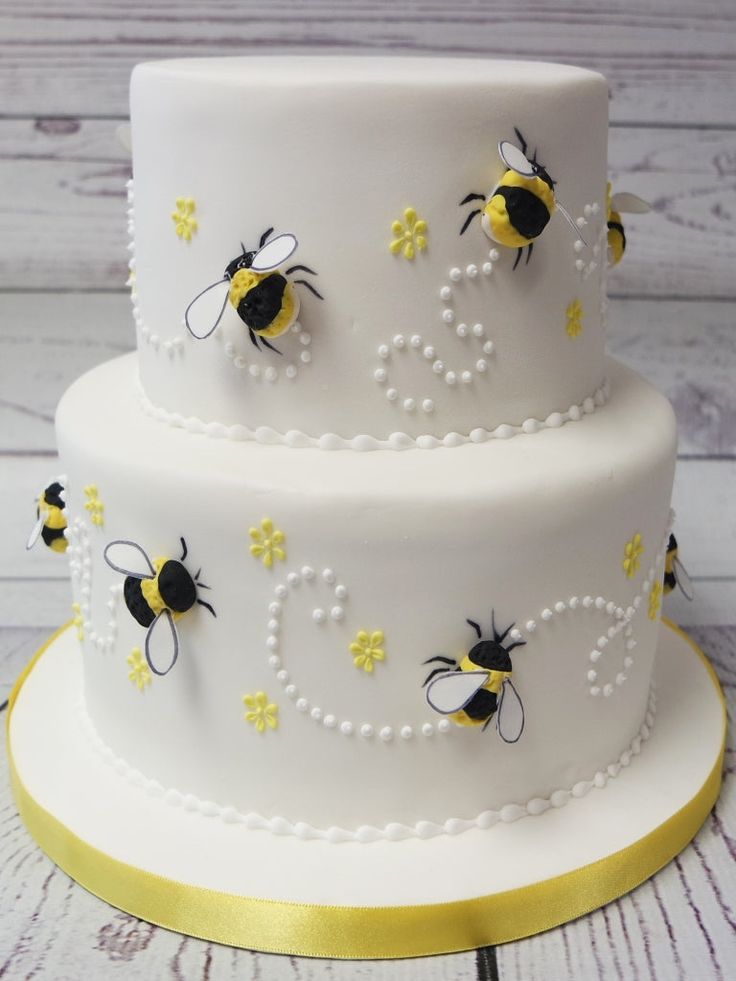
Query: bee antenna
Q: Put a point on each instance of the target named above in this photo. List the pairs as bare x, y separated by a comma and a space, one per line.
265, 237
184, 549
242, 246
476, 628
521, 140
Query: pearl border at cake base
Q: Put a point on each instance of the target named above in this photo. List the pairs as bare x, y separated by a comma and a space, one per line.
409, 898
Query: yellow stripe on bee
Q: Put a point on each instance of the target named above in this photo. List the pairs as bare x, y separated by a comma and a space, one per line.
243, 282
502, 231
55, 517
151, 594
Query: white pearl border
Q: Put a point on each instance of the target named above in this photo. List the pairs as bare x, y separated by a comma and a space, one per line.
364, 834
295, 438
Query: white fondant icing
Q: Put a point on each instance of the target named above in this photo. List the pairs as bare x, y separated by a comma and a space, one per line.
495, 525
366, 833
182, 114
396, 441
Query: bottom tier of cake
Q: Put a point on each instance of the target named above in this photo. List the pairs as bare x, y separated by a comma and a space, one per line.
333, 584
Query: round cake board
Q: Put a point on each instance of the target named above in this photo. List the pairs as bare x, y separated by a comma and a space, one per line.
219, 881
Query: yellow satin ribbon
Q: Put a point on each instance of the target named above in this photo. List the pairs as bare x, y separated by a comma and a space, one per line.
364, 932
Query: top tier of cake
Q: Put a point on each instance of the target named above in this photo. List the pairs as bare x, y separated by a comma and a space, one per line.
394, 327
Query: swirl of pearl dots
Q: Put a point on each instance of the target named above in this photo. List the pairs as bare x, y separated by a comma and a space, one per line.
80, 567
171, 346
621, 622
587, 268
415, 342
270, 373
320, 615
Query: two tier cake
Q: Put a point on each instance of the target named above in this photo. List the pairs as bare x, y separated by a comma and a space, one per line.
367, 539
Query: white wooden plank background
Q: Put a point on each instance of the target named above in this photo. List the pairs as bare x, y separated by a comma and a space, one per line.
64, 69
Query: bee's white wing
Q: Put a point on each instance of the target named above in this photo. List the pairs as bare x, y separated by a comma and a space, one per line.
452, 690
274, 253
683, 580
37, 529
206, 309
515, 159
129, 559
510, 719
162, 644
629, 204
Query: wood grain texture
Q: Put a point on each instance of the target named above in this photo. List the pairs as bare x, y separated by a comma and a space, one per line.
688, 351
63, 226
665, 62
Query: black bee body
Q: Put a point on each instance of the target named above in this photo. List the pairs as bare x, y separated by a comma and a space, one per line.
492, 656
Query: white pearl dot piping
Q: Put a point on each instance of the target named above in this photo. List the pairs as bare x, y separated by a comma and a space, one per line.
587, 259
171, 345
79, 553
333, 611
271, 373
439, 367
364, 444
365, 834
622, 624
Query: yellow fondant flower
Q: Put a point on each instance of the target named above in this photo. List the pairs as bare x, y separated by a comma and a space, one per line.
267, 542
94, 505
184, 221
632, 556
261, 713
140, 673
367, 649
78, 620
574, 314
655, 600
410, 235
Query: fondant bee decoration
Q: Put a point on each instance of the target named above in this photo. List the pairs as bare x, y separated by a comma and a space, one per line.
480, 686
264, 298
618, 203
50, 512
157, 593
675, 573
518, 208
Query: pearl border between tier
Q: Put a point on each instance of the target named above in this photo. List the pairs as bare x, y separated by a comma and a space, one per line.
364, 834
295, 438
